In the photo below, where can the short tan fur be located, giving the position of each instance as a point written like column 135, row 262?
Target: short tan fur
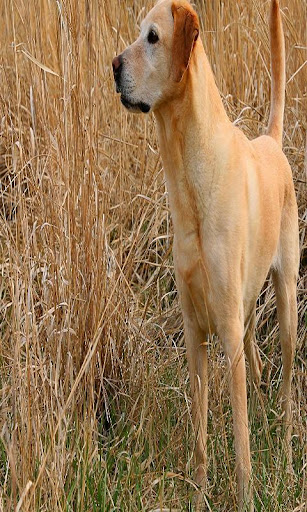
column 233, row 207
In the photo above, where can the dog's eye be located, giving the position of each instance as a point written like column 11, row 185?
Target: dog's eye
column 153, row 37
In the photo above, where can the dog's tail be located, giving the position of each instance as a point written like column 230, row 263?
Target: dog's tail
column 278, row 73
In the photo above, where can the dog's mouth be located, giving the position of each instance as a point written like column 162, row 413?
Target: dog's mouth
column 135, row 107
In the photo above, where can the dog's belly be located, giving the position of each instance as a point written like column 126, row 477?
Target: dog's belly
column 223, row 279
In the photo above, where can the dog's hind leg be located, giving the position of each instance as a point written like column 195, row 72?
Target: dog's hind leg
column 285, row 279
column 285, row 289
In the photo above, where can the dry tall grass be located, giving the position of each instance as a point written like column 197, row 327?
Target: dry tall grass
column 94, row 388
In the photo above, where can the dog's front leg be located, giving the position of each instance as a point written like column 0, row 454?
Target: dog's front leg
column 232, row 337
column 196, row 344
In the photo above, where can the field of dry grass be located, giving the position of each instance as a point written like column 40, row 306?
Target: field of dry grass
column 94, row 391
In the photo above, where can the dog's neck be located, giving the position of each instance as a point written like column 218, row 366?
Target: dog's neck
column 190, row 163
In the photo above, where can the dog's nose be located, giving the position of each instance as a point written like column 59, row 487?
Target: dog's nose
column 117, row 65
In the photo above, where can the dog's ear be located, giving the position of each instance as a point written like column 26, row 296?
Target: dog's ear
column 186, row 30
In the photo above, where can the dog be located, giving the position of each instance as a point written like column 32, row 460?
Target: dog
column 233, row 208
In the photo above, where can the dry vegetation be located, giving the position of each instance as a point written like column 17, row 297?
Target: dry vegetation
column 94, row 391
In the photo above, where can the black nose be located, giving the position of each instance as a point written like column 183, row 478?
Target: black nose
column 117, row 67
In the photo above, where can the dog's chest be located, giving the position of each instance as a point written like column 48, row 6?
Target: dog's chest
column 192, row 272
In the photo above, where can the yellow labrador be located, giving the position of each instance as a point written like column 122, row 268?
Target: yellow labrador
column 233, row 207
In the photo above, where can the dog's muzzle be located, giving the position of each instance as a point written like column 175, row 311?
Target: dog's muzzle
column 135, row 107
column 117, row 65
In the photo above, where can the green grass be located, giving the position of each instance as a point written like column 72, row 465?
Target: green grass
column 137, row 470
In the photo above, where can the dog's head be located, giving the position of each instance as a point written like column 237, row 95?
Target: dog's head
column 151, row 70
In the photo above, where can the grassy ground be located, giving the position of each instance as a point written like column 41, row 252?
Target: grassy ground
column 94, row 391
